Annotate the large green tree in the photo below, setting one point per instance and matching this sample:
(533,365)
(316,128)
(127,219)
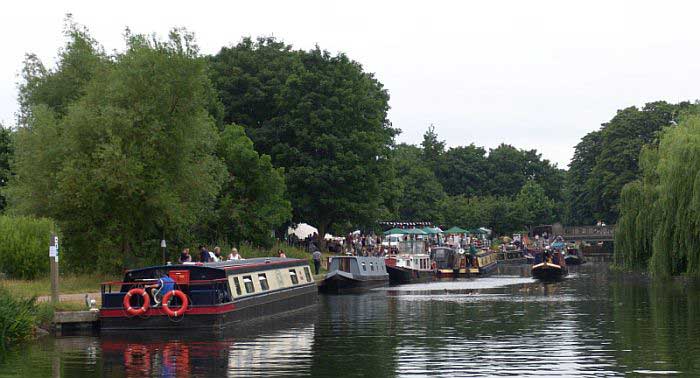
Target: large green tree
(420,191)
(252,202)
(319,116)
(531,206)
(659,222)
(126,160)
(579,203)
(615,148)
(464,171)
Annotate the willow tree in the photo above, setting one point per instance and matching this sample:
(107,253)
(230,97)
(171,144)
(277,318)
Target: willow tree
(660,219)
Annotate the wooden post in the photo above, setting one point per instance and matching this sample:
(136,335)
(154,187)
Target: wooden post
(53,258)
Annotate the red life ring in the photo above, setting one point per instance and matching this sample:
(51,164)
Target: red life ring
(183,300)
(127,301)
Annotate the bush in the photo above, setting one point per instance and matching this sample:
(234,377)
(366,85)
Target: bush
(24,246)
(18,318)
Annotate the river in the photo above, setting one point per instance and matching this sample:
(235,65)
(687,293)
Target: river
(594,323)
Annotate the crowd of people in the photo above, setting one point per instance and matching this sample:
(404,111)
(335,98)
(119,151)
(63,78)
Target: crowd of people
(205,255)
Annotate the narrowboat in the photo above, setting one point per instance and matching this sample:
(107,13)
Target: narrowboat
(206,295)
(447,261)
(354,274)
(550,266)
(574,256)
(409,263)
(483,263)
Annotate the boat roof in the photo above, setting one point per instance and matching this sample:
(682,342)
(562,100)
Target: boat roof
(229,264)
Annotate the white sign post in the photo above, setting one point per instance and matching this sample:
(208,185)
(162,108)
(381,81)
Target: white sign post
(53,258)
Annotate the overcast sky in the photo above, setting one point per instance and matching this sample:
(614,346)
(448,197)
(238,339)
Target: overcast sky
(535,74)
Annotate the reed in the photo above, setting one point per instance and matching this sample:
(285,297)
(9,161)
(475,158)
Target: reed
(18,318)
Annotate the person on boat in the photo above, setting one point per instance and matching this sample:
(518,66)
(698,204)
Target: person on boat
(204,254)
(158,290)
(217,254)
(317,260)
(185,256)
(281,254)
(235,255)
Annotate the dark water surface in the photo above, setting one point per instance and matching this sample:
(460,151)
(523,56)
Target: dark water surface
(595,323)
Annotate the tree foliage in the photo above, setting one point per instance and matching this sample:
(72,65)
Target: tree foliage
(320,117)
(420,190)
(127,161)
(607,159)
(6,152)
(252,201)
(659,222)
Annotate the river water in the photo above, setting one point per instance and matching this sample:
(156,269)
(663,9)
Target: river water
(594,323)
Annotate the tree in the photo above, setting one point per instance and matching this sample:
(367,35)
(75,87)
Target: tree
(467,212)
(252,202)
(433,148)
(659,221)
(6,151)
(621,141)
(131,159)
(420,191)
(532,206)
(320,117)
(580,200)
(464,171)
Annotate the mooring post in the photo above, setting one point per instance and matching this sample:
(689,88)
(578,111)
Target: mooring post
(53,258)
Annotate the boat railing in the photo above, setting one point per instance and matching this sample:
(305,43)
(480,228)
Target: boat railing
(202,291)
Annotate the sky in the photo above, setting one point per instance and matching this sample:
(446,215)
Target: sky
(534,74)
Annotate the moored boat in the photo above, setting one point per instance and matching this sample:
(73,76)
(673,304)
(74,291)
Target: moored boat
(447,261)
(409,268)
(354,274)
(483,263)
(206,295)
(574,257)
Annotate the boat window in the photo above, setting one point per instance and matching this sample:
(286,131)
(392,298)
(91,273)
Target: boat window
(364,266)
(293,275)
(408,263)
(248,283)
(371,266)
(307,272)
(263,281)
(238,285)
(344,265)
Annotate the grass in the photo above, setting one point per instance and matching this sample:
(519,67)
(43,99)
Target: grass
(68,284)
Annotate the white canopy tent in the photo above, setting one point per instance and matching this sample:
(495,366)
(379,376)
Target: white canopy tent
(302,230)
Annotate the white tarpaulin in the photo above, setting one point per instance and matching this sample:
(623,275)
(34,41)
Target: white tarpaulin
(302,231)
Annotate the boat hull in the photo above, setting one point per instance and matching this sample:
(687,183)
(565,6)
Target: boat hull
(214,317)
(400,275)
(549,272)
(574,260)
(341,284)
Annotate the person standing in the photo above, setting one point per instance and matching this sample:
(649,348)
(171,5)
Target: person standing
(235,255)
(185,256)
(317,260)
(203,254)
(217,254)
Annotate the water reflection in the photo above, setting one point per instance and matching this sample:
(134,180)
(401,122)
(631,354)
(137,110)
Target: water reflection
(262,349)
(594,323)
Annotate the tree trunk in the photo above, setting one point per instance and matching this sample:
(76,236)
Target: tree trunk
(322,227)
